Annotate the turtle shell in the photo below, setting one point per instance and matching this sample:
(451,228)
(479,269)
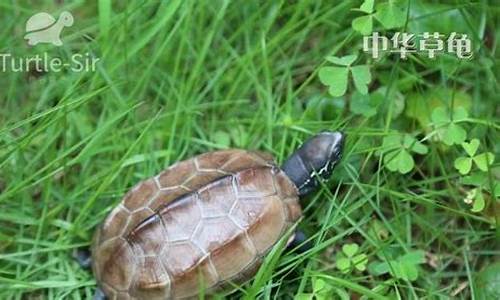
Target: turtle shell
(39,21)
(202,224)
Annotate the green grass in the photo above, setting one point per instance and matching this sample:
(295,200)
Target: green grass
(179,78)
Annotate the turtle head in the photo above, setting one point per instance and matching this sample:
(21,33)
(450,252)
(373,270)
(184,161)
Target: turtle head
(323,151)
(316,158)
(66,18)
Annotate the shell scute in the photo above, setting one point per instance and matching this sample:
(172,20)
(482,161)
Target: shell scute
(135,218)
(194,281)
(255,182)
(114,224)
(214,233)
(217,198)
(246,160)
(109,291)
(181,256)
(215,160)
(153,281)
(285,187)
(176,175)
(246,211)
(150,236)
(270,225)
(162,198)
(227,264)
(200,178)
(174,218)
(293,209)
(139,196)
(116,255)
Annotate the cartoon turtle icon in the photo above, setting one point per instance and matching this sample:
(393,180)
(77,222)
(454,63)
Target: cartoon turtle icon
(43,28)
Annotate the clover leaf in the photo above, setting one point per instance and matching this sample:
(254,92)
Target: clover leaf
(363,105)
(463,165)
(419,106)
(364,24)
(342,61)
(396,150)
(322,290)
(361,77)
(447,128)
(475,198)
(482,161)
(350,258)
(404,267)
(389,14)
(336,78)
(471,147)
(368,105)
(367,6)
(400,161)
(479,203)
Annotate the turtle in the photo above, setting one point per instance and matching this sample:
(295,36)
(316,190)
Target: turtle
(43,28)
(206,223)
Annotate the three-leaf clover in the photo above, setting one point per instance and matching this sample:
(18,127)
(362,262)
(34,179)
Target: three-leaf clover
(336,78)
(419,106)
(389,14)
(482,161)
(397,148)
(404,267)
(350,258)
(447,128)
(320,291)
(368,105)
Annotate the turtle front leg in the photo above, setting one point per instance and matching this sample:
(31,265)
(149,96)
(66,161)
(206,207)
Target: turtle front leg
(99,295)
(84,259)
(298,242)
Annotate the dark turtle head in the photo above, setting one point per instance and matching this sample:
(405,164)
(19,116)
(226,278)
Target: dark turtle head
(315,158)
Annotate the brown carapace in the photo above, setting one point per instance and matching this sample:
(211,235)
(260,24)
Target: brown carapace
(204,224)
(200,224)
